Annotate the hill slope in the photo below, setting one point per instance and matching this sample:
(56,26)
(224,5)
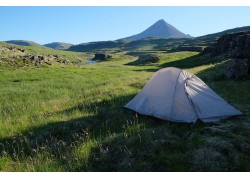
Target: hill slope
(23,43)
(58,45)
(234,30)
(160,29)
(27,57)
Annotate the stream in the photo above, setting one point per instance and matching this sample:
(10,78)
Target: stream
(90,61)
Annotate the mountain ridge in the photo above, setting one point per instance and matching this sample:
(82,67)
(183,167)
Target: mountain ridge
(23,43)
(58,45)
(232,30)
(126,43)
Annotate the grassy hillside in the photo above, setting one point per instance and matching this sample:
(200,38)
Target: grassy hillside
(14,56)
(72,119)
(72,56)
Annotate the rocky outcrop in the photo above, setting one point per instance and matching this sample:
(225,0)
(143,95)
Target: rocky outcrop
(101,56)
(240,48)
(20,55)
(145,59)
(235,46)
(237,68)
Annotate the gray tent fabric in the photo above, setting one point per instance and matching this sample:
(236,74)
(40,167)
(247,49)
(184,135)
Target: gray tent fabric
(176,95)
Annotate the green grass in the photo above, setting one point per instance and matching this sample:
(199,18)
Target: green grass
(72,119)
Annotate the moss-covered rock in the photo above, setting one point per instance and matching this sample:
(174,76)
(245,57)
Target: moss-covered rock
(146,59)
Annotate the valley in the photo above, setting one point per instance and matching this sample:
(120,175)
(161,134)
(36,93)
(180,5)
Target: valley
(69,117)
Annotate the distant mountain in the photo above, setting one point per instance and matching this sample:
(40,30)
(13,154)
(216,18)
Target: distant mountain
(160,29)
(23,43)
(93,46)
(58,45)
(153,43)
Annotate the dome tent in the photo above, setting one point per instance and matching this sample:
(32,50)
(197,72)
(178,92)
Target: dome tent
(176,95)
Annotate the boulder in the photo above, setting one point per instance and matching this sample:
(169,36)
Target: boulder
(10,47)
(145,59)
(20,49)
(101,56)
(48,62)
(237,68)
(34,58)
(44,58)
(235,46)
(66,61)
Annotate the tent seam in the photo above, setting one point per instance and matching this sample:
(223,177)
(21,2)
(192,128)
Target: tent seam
(174,94)
(189,98)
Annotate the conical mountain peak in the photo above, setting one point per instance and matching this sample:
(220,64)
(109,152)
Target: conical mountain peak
(160,29)
(161,20)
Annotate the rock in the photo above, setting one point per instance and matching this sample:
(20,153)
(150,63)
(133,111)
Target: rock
(36,63)
(236,45)
(101,56)
(231,44)
(247,40)
(44,58)
(58,60)
(48,62)
(20,49)
(145,59)
(66,61)
(239,40)
(237,68)
(34,58)
(10,48)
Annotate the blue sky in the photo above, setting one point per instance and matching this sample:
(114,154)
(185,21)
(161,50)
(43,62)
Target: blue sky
(80,24)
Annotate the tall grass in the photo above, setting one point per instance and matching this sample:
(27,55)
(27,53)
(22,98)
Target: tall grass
(72,119)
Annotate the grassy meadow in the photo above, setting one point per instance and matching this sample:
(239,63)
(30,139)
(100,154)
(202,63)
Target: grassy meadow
(72,118)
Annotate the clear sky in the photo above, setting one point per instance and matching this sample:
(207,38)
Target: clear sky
(87,23)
